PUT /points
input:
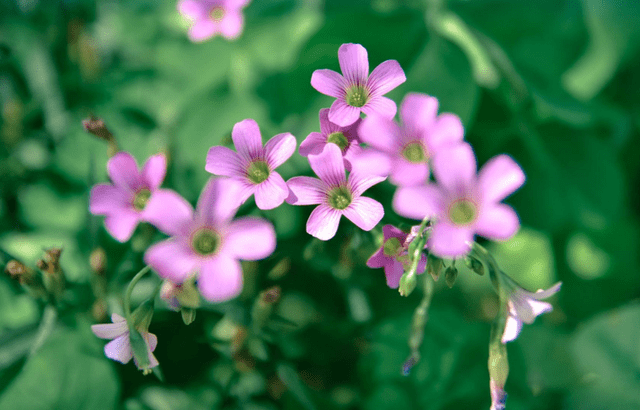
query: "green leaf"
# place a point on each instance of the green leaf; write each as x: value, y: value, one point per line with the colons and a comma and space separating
x: 69, y: 372
x: 42, y: 207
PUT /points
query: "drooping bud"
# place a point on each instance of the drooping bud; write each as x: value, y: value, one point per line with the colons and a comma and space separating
x: 264, y: 305
x: 20, y: 272
x: 188, y: 315
x: 98, y: 261
x: 53, y: 278
x: 434, y: 266
x: 96, y: 126
x: 474, y: 264
x: 408, y: 284
x: 450, y: 276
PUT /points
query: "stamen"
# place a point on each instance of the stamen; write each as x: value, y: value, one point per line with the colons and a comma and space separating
x: 339, y: 198
x: 391, y: 247
x: 463, y: 212
x: 217, y: 13
x: 339, y: 139
x: 357, y: 96
x: 205, y: 241
x: 414, y: 152
x: 140, y: 199
x: 258, y: 171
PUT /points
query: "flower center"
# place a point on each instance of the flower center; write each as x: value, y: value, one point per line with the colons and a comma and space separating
x: 414, y: 152
x: 205, y: 241
x: 357, y: 96
x: 339, y: 139
x: 463, y: 212
x: 140, y: 199
x: 216, y: 13
x: 339, y: 198
x: 391, y: 247
x: 258, y: 171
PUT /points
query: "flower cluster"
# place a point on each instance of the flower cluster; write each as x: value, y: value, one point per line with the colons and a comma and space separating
x: 209, y: 18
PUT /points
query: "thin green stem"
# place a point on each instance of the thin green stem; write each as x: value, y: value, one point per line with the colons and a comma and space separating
x: 127, y: 295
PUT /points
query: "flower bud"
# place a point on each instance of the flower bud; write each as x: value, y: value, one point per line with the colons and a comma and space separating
x: 188, y: 315
x: 98, y: 261
x: 450, y: 276
x: 408, y: 284
x: 434, y: 266
x: 20, y: 272
x: 474, y: 264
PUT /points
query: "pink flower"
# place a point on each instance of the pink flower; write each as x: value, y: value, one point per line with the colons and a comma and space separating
x: 335, y: 195
x: 524, y: 307
x: 346, y: 138
x: 404, y: 151
x: 498, y: 396
x: 463, y: 203
x: 208, y: 243
x: 134, y: 195
x: 395, y: 245
x: 212, y: 17
x: 253, y: 166
x: 355, y: 90
x: 119, y: 348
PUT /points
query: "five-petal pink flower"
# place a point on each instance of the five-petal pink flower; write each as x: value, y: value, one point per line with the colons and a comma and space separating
x: 208, y: 243
x: 355, y: 90
x: 335, y: 195
x: 524, y: 307
x: 404, y: 151
x: 119, y: 348
x: 395, y: 245
x: 346, y: 138
x: 134, y: 195
x: 253, y: 166
x: 212, y: 17
x: 463, y: 203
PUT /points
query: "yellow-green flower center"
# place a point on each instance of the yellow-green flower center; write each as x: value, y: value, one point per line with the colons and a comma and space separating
x: 463, y: 212
x: 258, y: 171
x: 216, y: 13
x: 391, y: 247
x: 205, y: 241
x: 339, y: 198
x: 339, y: 139
x: 414, y: 152
x: 357, y: 96
x: 140, y: 199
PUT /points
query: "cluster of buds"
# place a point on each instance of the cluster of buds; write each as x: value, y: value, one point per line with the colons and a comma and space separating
x: 47, y: 282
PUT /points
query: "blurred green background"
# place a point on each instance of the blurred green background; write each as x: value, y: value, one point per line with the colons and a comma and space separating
x: 554, y: 83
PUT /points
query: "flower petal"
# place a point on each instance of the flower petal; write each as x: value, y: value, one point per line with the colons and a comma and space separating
x: 154, y: 171
x: 354, y: 63
x: 202, y: 30
x: 191, y: 9
x: 250, y: 239
x: 123, y: 171
x: 220, y: 279
x: 447, y: 130
x: 329, y: 165
x: 511, y: 329
x: 231, y: 24
x: 359, y: 182
x: 119, y: 349
x: 371, y: 161
x: 393, y: 272
x: 313, y: 144
x: 450, y: 241
x: 323, y: 222
x: 343, y: 114
x: 328, y: 82
x: 385, y: 77
x: 306, y: 191
x: 247, y: 139
x: 499, y: 178
x: 173, y: 259
x: 418, y: 202
x: 455, y: 168
x: 497, y: 221
x: 543, y: 294
x: 107, y: 199
x: 224, y: 161
x: 378, y: 259
x: 272, y: 192
x: 405, y: 173
x: 381, y: 133
x: 419, y: 111
x: 279, y: 149
x: 122, y: 224
x: 168, y: 211
x: 219, y: 201
x: 381, y: 106
x: 110, y: 330
x: 364, y: 212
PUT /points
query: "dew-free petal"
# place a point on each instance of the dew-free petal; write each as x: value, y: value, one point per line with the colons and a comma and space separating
x: 122, y: 223
x: 381, y: 106
x: 154, y: 171
x: 232, y: 23
x: 279, y: 149
x: 173, y: 259
x: 110, y: 330
x: 323, y: 222
x: 455, y: 167
x: 220, y: 279
x: 202, y: 30
x: 219, y: 200
x: 418, y: 202
x: 224, y: 161
x: 329, y: 165
x: 247, y: 139
x: 385, y: 77
x: 393, y: 272
x: 499, y: 178
x: 272, y: 192
x: 123, y: 171
x: 419, y: 111
x: 119, y: 349
x: 105, y: 199
x: 313, y: 144
x: 250, y: 239
x: 306, y: 191
x: 364, y: 212
x: 405, y: 173
x: 447, y: 130
x: 450, y: 241
x: 354, y: 63
x: 343, y: 114
x: 497, y: 221
x: 328, y: 82
x: 381, y: 133
x: 168, y: 211
x: 359, y: 182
